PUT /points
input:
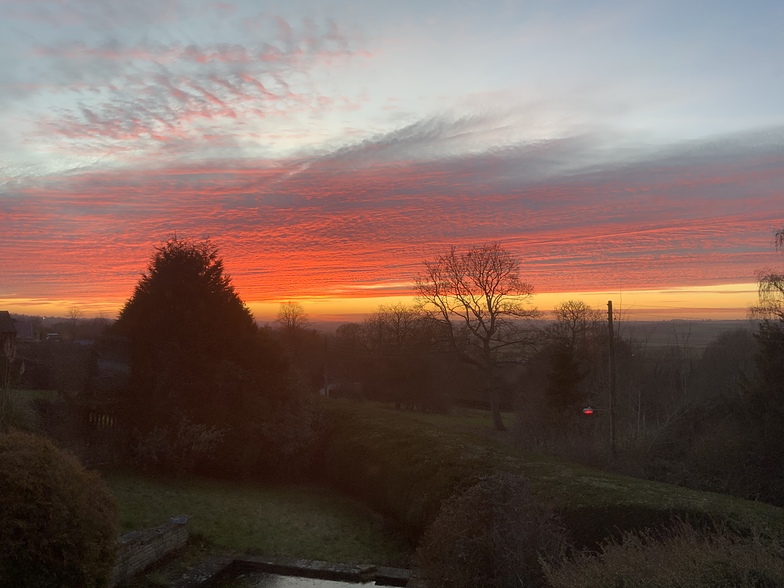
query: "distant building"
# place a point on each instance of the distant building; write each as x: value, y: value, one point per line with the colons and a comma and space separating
x: 7, y: 334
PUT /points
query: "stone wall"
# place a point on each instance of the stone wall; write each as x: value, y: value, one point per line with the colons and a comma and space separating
x: 138, y: 550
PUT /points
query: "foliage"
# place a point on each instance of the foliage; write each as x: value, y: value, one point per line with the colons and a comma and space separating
x: 303, y: 345
x: 177, y: 448
x: 727, y: 366
x: 763, y: 413
x: 575, y: 344
x: 281, y: 442
x: 405, y: 468
x: 57, y: 521
x: 17, y: 412
x: 479, y: 299
x: 187, y: 328
x: 197, y: 355
x: 770, y: 363
x: 390, y: 357
x: 494, y: 533
x: 765, y: 406
x: 700, y: 420
x: 683, y: 556
x: 771, y: 289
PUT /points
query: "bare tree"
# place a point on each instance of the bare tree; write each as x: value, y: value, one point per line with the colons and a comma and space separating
x: 392, y: 327
x: 771, y: 288
x: 576, y: 321
x: 75, y: 314
x: 292, y: 317
x: 481, y: 302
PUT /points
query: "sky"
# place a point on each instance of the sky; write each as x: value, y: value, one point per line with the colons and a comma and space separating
x: 622, y: 150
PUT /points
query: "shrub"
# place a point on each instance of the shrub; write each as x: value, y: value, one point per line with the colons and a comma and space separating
x: 58, y: 522
x: 178, y: 450
x: 16, y: 412
x: 494, y: 534
x: 681, y: 557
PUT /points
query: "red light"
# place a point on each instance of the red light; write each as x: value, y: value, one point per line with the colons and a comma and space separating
x: 588, y: 410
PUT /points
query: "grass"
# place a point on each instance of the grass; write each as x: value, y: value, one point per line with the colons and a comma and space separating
x: 291, y: 521
x: 406, y: 467
x: 460, y: 418
x: 36, y: 394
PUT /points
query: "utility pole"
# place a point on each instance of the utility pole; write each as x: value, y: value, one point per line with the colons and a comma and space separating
x: 326, y: 365
x: 611, y: 377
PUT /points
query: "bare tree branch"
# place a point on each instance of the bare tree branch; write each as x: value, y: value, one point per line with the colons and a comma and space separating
x: 482, y: 304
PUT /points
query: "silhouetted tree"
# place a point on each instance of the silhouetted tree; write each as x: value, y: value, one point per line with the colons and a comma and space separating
x: 399, y: 338
x: 770, y: 335
x: 771, y: 289
x: 75, y: 314
x: 767, y: 398
x: 480, y: 301
x: 292, y: 316
x: 573, y: 341
x: 190, y: 335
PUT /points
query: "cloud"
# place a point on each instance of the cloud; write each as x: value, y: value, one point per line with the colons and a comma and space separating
x: 358, y: 220
x: 117, y: 94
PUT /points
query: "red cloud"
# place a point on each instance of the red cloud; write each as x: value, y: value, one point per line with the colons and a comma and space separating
x: 330, y: 227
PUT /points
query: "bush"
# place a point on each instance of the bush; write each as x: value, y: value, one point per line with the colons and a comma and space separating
x: 58, y: 522
x: 494, y: 534
x: 682, y: 557
x: 17, y: 412
x: 179, y: 450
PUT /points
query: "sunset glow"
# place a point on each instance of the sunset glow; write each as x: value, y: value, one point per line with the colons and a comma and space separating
x: 626, y: 152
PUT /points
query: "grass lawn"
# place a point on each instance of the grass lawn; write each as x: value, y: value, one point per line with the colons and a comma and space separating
x: 291, y: 521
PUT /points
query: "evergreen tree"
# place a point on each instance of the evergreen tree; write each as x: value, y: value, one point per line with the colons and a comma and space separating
x: 192, y: 338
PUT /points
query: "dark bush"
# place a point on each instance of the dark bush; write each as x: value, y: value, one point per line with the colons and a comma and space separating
x: 278, y: 439
x: 58, y: 522
x: 683, y: 556
x: 495, y: 533
x: 17, y: 412
x: 178, y: 448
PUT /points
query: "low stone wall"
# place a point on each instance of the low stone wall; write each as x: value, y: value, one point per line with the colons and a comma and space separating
x: 138, y: 550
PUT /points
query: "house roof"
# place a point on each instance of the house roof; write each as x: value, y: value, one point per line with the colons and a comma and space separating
x: 6, y: 322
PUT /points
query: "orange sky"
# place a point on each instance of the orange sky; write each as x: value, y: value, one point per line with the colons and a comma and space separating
x: 673, y: 234
x: 728, y: 302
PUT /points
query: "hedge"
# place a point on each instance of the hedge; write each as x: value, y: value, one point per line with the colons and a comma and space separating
x: 405, y: 468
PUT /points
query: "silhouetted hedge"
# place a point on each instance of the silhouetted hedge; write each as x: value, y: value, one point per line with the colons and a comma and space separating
x: 58, y: 522
x: 405, y: 468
